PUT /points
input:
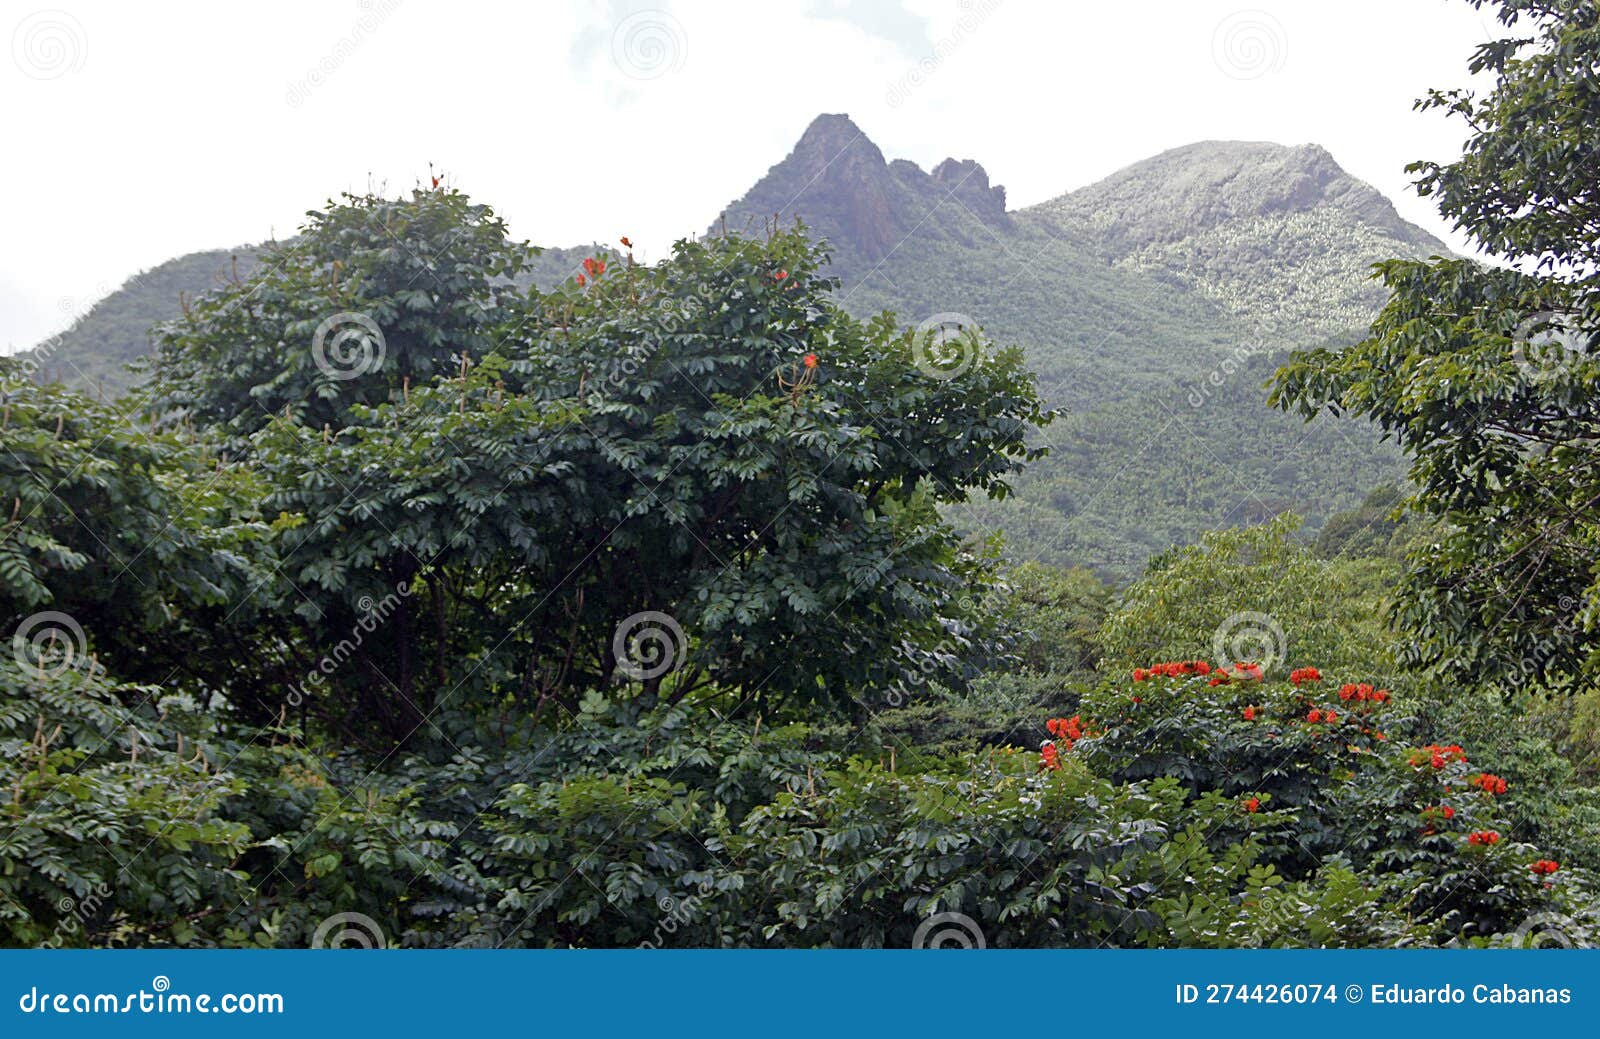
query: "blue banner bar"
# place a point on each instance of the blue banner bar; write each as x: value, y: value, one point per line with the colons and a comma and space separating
x: 786, y: 993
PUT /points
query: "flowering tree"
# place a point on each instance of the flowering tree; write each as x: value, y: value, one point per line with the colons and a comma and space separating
x: 709, y: 451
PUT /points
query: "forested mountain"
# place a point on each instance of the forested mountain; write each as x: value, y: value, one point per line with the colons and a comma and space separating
x: 92, y: 353
x: 1153, y: 305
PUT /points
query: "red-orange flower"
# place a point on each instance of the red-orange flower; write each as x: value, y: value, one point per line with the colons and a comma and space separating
x: 1489, y: 783
x: 1437, y: 756
x: 809, y: 360
x: 1252, y: 804
x: 594, y: 267
x: 1304, y: 674
x: 626, y: 244
x: 1545, y: 867
x: 580, y: 281
x: 1249, y: 714
x: 1050, y: 757
x: 1483, y: 838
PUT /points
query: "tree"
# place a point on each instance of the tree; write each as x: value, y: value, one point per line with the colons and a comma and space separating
x: 374, y: 293
x: 1488, y: 376
x: 1255, y: 594
x: 700, y: 476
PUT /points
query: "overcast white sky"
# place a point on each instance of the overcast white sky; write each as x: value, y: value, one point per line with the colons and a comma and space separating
x: 138, y: 132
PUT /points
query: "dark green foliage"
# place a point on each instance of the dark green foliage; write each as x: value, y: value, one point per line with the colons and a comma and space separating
x: 129, y: 530
x: 111, y: 824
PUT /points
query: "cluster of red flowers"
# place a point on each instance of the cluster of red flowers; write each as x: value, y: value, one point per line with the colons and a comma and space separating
x: 594, y: 268
x: 1250, y: 713
x: 809, y: 360
x: 1320, y: 717
x: 1363, y: 692
x: 1174, y: 669
x: 1067, y: 731
x: 1489, y: 783
x: 1252, y: 804
x: 1437, y: 756
x: 1304, y: 674
x: 1241, y: 670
